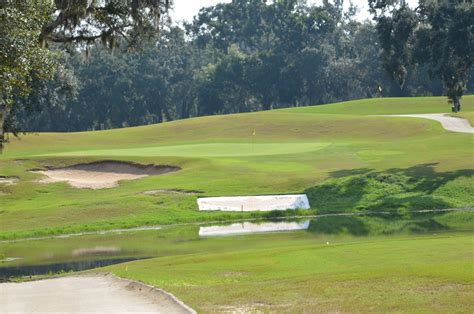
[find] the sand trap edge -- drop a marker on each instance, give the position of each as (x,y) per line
(6,180)
(150,169)
(101,174)
(137,284)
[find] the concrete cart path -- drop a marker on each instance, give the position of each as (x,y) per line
(99,293)
(453,124)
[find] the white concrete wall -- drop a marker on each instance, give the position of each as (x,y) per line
(254,203)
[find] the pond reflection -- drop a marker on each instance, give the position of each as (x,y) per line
(33,270)
(88,251)
(97,250)
(251,227)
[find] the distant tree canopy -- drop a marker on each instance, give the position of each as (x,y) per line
(27,27)
(73,21)
(438,33)
(242,56)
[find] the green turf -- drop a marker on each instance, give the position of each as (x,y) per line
(345,158)
(301,274)
(207,150)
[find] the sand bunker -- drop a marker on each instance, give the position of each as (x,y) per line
(8,180)
(10,259)
(254,203)
(87,294)
(103,174)
(453,124)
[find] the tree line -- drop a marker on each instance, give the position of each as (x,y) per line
(35,33)
(251,55)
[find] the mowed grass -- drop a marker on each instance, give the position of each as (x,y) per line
(207,150)
(304,274)
(342,155)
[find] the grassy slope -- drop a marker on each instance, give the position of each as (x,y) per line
(324,150)
(399,274)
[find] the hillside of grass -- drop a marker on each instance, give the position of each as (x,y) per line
(344,156)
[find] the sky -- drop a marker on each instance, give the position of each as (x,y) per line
(186,9)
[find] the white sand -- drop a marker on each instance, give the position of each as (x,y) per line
(453,124)
(87,179)
(8,180)
(87,294)
(101,175)
(254,203)
(249,227)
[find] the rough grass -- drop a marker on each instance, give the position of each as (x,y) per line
(401,164)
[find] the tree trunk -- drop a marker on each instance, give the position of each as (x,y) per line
(159,115)
(4,111)
(184,109)
(167,114)
(456,104)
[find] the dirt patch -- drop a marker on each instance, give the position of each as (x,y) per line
(102,174)
(8,180)
(172,191)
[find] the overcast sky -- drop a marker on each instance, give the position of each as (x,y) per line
(186,9)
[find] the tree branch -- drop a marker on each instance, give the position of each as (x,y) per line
(58,39)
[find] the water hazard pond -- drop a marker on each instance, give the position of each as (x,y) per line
(89,251)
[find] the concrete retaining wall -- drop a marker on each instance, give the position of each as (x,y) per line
(254,203)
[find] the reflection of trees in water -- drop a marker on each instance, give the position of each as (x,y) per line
(377,224)
(339,225)
(18,271)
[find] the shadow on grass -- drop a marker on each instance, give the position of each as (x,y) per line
(413,188)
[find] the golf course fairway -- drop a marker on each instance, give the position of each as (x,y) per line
(383,254)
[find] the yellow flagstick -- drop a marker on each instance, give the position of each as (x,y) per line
(253,139)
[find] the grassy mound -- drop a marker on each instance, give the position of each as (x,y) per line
(415,188)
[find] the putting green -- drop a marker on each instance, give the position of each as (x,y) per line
(206,150)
